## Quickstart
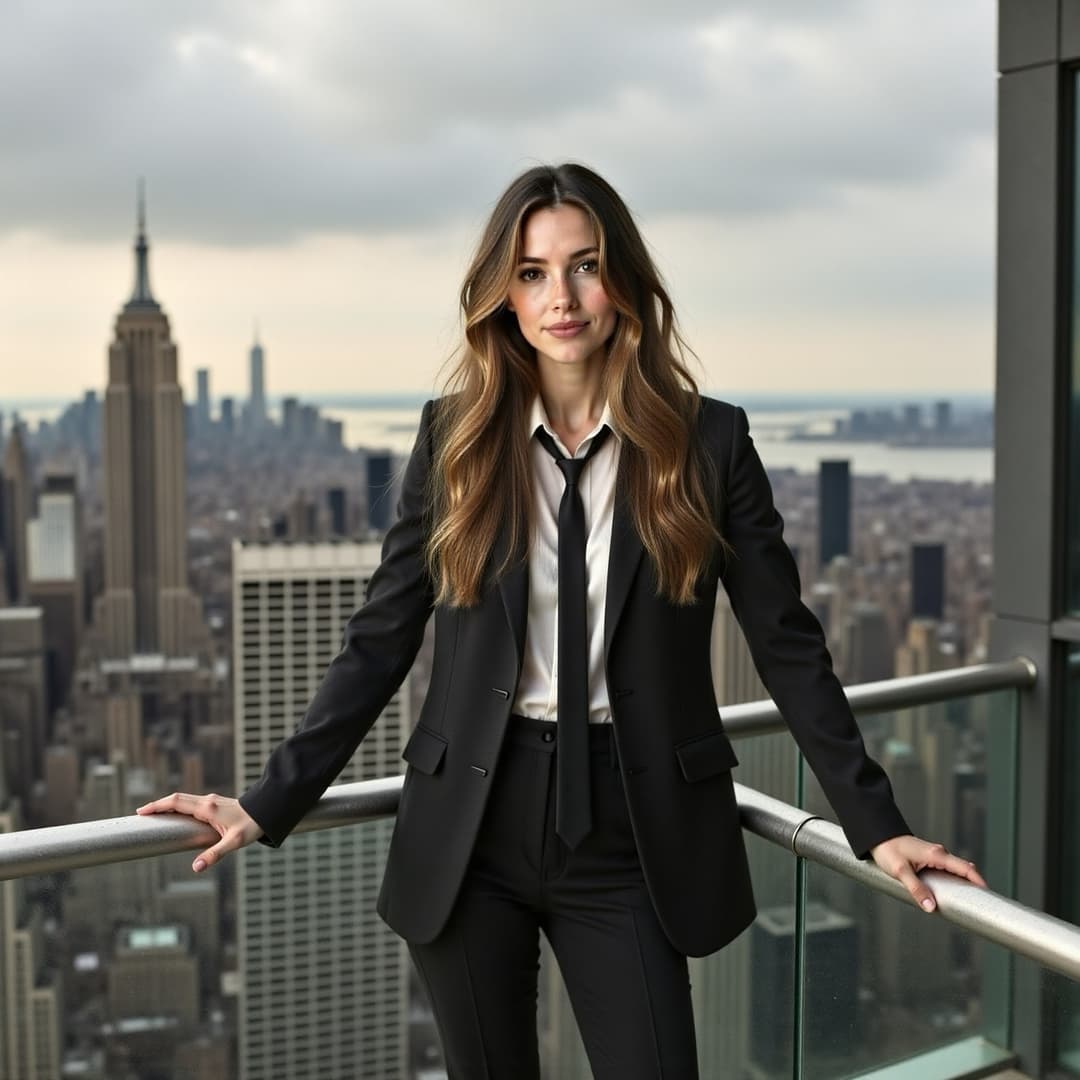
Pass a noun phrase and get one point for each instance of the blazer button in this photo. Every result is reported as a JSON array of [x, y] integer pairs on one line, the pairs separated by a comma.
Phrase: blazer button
[[548, 736]]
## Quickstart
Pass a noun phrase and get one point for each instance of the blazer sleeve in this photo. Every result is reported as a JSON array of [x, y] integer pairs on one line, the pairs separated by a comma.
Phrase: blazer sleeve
[[788, 647], [379, 644]]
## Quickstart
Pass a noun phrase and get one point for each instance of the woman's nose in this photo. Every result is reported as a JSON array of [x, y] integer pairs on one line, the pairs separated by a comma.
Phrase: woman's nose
[[563, 295]]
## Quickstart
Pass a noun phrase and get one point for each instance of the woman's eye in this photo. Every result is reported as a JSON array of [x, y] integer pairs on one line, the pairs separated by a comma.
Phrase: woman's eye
[[525, 274], [591, 263]]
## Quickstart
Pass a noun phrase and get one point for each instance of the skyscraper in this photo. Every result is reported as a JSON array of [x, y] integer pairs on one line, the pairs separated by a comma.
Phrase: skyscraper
[[55, 577], [834, 510], [256, 408], [324, 981], [202, 399], [928, 581], [147, 606], [16, 495], [380, 482], [29, 992]]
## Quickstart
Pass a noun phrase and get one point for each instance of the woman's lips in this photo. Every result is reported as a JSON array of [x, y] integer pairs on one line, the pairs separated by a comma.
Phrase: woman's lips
[[567, 331]]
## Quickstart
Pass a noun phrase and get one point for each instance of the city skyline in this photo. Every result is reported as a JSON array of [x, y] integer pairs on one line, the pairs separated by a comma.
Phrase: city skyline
[[812, 237]]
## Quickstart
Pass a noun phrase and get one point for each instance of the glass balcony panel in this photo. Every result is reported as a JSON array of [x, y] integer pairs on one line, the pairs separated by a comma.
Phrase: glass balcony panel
[[885, 983], [1064, 995]]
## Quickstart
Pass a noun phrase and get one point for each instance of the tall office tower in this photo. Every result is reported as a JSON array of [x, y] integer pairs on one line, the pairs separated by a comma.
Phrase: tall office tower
[[23, 712], [867, 651], [834, 510], [942, 416], [309, 423], [303, 518], [154, 973], [921, 651], [17, 497], [290, 419], [324, 983], [928, 581], [147, 606], [202, 399], [256, 408], [54, 577], [336, 504], [30, 1037], [228, 419], [379, 490], [913, 418]]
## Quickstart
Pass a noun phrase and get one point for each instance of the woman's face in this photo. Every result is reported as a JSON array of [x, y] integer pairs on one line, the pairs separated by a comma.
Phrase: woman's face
[[561, 307]]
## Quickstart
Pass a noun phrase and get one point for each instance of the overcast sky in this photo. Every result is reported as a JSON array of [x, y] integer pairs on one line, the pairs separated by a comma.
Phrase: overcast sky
[[816, 179]]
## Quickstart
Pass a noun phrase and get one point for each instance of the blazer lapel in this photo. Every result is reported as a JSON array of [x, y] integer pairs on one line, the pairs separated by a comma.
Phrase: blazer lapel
[[623, 560], [514, 587]]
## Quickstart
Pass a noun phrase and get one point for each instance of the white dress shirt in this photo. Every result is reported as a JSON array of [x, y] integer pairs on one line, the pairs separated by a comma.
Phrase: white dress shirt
[[538, 688]]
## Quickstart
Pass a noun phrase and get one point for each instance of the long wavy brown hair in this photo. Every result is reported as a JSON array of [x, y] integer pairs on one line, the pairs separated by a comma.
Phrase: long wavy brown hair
[[481, 478]]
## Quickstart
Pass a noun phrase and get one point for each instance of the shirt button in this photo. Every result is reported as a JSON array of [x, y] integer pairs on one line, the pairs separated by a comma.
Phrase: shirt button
[[548, 736]]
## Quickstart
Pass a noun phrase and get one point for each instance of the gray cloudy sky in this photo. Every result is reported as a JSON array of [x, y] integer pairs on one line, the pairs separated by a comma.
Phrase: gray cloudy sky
[[816, 179]]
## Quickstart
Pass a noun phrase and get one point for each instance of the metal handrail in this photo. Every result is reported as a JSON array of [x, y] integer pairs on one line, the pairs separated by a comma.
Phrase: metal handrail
[[92, 843], [1034, 934], [764, 718], [1049, 941]]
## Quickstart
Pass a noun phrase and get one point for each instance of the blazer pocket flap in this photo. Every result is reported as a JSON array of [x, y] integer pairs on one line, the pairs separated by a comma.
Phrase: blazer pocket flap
[[424, 750], [706, 755]]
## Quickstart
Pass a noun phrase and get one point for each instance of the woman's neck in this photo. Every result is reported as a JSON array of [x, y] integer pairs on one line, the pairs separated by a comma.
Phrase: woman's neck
[[573, 400]]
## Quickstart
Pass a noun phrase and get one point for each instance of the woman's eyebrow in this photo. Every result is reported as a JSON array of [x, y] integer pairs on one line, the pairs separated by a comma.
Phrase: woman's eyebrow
[[574, 255]]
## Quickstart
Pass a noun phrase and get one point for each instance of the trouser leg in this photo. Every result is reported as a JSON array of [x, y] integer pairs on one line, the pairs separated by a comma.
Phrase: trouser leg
[[628, 986], [480, 974], [481, 970]]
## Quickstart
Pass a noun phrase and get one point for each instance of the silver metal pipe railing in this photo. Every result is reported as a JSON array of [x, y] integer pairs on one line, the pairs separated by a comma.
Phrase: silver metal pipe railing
[[1051, 942], [1043, 938], [763, 717], [93, 843]]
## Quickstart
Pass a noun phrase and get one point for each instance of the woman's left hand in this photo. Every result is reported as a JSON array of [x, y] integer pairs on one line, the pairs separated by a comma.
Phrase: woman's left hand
[[902, 857]]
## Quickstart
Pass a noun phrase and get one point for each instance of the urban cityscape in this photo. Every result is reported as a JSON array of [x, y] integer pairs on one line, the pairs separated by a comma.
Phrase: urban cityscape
[[174, 578]]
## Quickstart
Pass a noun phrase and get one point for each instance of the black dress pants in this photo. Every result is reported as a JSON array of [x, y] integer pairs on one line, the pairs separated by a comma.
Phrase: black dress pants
[[628, 986]]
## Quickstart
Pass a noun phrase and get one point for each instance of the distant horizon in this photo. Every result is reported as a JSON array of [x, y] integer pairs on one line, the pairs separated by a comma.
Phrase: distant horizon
[[406, 398]]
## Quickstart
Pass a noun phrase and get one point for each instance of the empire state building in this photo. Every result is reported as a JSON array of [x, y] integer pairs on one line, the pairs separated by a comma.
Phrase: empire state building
[[147, 606]]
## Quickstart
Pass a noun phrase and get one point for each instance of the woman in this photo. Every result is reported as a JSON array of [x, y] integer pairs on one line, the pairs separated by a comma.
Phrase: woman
[[567, 513]]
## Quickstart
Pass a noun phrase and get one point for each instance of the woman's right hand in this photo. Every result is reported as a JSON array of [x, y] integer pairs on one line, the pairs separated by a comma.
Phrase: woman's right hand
[[234, 824]]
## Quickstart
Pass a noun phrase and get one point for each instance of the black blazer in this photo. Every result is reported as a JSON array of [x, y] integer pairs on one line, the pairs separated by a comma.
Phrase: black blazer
[[675, 758]]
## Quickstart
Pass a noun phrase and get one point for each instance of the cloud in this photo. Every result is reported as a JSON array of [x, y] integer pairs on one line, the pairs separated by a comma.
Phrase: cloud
[[257, 123]]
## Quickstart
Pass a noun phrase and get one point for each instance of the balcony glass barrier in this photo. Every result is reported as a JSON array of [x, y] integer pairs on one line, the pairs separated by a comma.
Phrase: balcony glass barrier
[[276, 963], [1063, 995], [885, 983]]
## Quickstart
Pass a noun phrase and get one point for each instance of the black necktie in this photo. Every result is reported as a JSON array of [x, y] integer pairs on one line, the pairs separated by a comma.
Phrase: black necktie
[[573, 805]]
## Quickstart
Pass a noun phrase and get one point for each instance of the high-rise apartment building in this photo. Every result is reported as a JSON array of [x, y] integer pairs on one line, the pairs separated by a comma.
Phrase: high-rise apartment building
[[54, 560], [147, 606], [324, 982]]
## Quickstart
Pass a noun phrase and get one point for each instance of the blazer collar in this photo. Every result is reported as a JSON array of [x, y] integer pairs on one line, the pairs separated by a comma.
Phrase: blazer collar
[[538, 418]]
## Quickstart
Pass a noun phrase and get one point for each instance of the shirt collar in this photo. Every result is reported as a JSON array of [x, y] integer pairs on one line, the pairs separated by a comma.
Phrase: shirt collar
[[538, 418]]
